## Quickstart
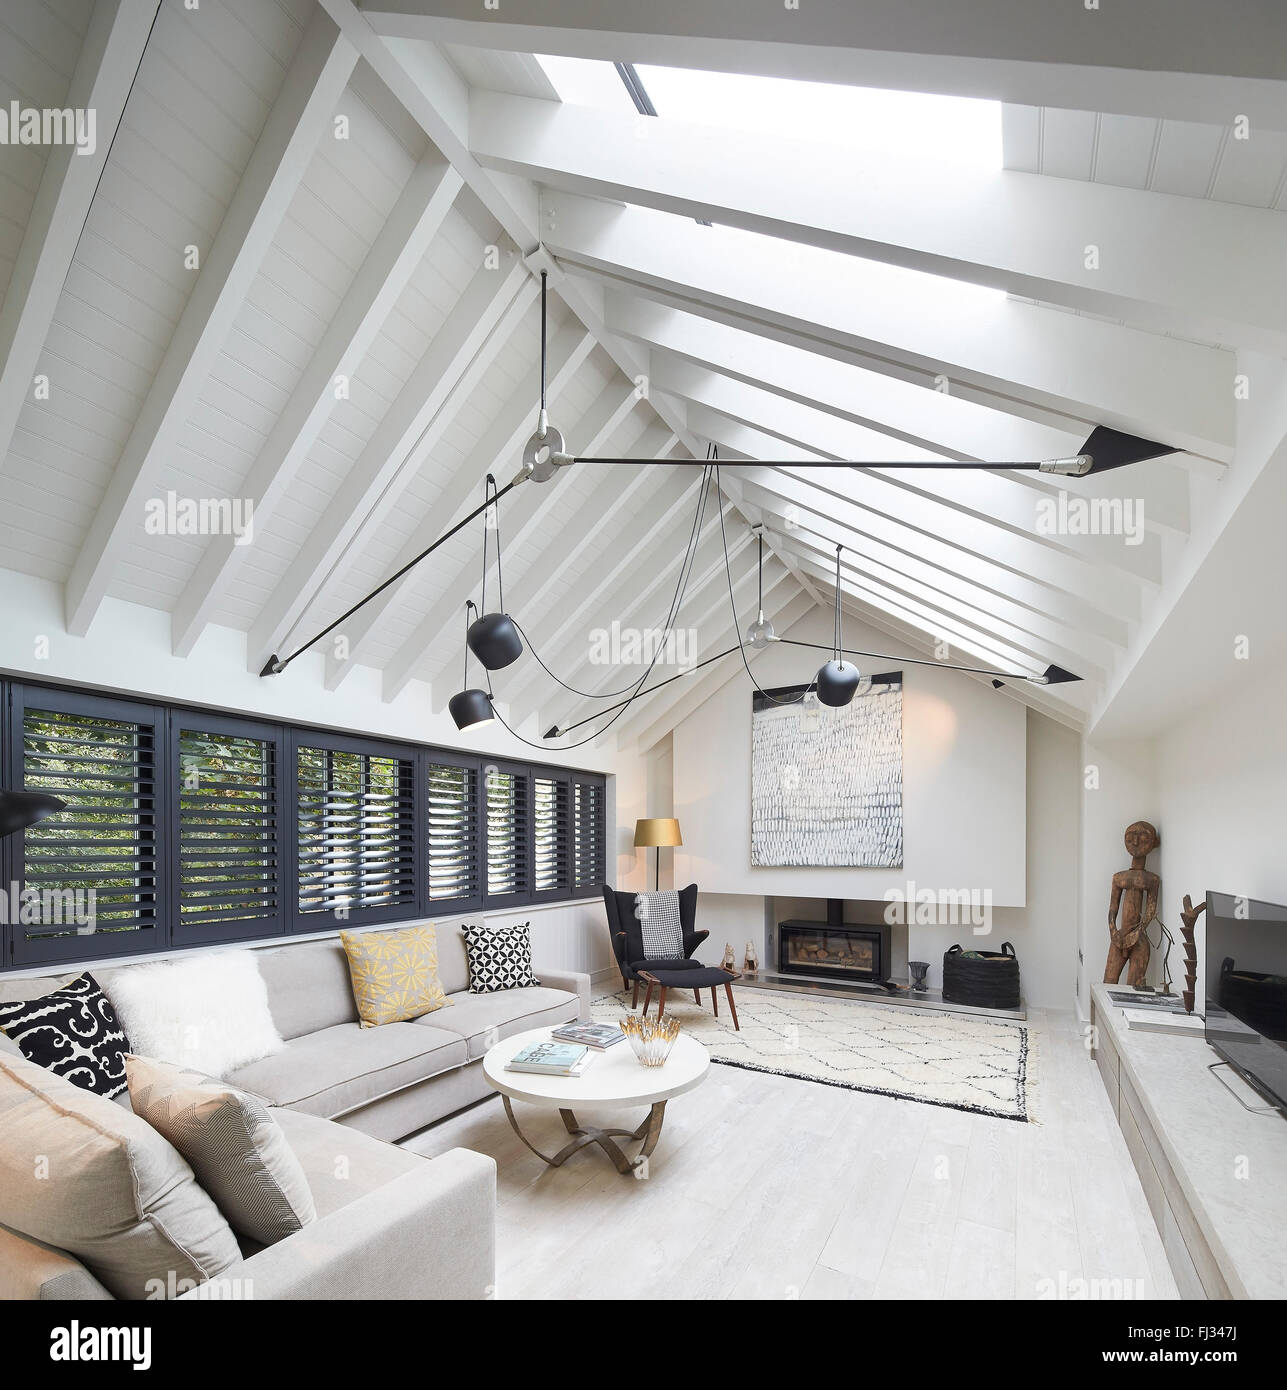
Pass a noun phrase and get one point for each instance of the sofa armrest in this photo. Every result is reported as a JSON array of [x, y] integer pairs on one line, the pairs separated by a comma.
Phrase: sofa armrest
[[30, 1269], [574, 982], [427, 1234]]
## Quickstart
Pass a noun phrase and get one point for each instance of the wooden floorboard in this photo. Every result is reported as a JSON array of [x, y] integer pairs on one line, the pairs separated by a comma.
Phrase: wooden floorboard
[[765, 1187]]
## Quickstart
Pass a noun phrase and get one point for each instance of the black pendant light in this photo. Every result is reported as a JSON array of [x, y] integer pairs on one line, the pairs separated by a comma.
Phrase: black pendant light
[[493, 637], [469, 707], [18, 810], [838, 679]]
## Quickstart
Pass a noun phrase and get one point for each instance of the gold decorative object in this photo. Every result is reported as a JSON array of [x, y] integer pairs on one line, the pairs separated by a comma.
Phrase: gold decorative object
[[650, 1038]]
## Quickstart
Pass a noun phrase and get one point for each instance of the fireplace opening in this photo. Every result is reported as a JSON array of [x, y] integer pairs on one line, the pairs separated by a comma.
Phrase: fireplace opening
[[830, 948]]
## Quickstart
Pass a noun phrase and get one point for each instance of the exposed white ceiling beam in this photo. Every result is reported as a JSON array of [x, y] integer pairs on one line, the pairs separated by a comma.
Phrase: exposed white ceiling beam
[[1077, 649], [1151, 58], [109, 58], [523, 518], [423, 78], [656, 718], [497, 451], [673, 500], [957, 504], [941, 565], [441, 381], [1080, 368], [1028, 234], [302, 114], [936, 420], [383, 276]]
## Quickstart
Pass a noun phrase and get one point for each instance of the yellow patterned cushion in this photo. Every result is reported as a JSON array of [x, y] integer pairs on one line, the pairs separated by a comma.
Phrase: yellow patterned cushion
[[394, 973]]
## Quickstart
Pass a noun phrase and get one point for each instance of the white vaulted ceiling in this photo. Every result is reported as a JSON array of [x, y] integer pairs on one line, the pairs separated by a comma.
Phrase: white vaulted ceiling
[[849, 302]]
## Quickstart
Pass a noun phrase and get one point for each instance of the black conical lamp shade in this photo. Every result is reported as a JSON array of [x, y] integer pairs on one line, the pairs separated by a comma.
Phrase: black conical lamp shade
[[494, 640], [470, 707], [837, 682], [18, 810]]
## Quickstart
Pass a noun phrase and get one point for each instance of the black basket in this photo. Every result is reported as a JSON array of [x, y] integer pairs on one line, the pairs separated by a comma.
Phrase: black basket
[[984, 980]]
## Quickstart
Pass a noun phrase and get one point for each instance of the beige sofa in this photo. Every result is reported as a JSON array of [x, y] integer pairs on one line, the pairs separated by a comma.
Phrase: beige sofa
[[391, 1224]]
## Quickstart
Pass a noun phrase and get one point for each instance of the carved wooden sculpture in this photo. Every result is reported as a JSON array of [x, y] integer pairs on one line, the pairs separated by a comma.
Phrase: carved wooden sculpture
[[1135, 894], [1190, 917]]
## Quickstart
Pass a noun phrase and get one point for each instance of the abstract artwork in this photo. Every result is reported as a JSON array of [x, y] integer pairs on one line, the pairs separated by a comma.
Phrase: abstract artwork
[[827, 784]]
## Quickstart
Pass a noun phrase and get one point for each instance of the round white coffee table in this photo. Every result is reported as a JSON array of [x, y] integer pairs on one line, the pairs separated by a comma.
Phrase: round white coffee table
[[612, 1080]]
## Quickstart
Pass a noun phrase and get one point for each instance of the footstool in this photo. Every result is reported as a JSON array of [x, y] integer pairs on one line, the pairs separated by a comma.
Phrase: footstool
[[703, 977]]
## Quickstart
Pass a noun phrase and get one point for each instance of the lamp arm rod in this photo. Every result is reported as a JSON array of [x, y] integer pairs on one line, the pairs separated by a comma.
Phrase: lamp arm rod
[[813, 463], [641, 693], [914, 661], [276, 665]]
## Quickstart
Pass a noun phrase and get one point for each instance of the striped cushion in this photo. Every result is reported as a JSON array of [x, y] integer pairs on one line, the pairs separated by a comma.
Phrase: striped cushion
[[235, 1147]]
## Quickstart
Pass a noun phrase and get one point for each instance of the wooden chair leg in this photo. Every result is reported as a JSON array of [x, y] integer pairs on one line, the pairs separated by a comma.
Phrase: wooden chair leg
[[714, 1002], [647, 999], [661, 1002], [697, 996], [634, 998], [728, 989]]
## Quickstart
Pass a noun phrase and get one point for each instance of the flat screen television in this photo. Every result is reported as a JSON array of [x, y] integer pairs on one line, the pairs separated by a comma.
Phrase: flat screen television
[[1246, 990]]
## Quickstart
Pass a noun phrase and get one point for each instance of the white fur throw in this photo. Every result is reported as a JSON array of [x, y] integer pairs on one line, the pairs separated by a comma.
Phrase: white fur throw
[[205, 1012]]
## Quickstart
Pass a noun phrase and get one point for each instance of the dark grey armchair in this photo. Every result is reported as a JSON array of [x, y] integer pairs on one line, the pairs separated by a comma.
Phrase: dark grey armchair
[[627, 935]]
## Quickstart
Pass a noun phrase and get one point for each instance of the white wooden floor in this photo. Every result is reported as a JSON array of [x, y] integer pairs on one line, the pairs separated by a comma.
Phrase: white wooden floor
[[766, 1187]]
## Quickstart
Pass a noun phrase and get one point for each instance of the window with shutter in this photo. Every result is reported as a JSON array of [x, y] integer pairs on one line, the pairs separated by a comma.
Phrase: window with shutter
[[508, 834], [356, 827], [551, 836], [452, 834], [229, 870], [100, 757], [589, 833]]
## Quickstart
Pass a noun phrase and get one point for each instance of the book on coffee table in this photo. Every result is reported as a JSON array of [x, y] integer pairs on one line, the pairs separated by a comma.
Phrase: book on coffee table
[[550, 1059], [599, 1036]]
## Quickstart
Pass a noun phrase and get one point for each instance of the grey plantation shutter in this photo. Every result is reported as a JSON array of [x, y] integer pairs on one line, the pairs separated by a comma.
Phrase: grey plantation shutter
[[589, 829], [106, 839], [508, 832], [356, 818], [552, 835], [453, 837], [229, 872]]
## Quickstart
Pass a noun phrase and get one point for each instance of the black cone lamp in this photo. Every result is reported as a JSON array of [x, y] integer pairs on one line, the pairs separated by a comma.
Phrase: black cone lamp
[[469, 707], [18, 810], [493, 637], [838, 679]]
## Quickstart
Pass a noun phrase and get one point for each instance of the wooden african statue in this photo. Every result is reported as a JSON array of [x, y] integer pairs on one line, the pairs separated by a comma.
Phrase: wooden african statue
[[1135, 893]]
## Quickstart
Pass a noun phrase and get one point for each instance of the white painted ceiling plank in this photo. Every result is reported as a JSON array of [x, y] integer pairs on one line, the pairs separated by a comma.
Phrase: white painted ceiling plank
[[303, 111]]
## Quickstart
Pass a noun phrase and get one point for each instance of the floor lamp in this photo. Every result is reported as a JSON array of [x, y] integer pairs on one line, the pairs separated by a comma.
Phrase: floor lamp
[[654, 834]]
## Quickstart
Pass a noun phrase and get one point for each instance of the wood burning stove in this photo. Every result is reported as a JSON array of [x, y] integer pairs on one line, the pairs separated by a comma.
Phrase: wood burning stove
[[830, 948]]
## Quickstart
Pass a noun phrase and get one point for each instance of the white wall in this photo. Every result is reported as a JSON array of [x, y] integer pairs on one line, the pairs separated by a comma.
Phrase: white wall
[[964, 752]]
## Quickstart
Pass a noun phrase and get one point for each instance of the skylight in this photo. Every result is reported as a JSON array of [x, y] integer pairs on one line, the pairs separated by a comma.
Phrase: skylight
[[916, 125]]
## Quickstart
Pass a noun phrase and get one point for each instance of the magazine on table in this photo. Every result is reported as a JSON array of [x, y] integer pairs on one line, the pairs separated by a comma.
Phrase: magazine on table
[[551, 1059], [599, 1036]]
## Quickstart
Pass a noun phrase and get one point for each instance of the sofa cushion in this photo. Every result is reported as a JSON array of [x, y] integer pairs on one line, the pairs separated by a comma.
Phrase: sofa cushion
[[234, 1145], [337, 1069], [308, 986], [342, 1164], [79, 1173], [484, 1019], [394, 973], [73, 1031], [499, 957]]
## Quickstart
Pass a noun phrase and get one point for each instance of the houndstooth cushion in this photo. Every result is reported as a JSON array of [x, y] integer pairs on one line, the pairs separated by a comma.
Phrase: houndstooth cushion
[[499, 958], [235, 1147], [663, 934]]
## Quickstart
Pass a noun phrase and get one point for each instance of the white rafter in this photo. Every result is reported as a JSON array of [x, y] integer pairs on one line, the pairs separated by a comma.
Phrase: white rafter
[[383, 276], [314, 84], [439, 384], [109, 58], [497, 451]]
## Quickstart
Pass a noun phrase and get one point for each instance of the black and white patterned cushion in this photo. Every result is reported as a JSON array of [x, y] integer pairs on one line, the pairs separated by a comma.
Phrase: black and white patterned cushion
[[499, 958], [660, 925], [74, 1032]]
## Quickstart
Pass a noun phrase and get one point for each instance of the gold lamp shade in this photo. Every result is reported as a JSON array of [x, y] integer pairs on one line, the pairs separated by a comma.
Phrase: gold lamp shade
[[656, 832]]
